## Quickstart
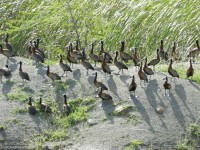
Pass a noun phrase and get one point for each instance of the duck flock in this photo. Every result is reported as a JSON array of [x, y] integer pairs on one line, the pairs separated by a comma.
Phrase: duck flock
[[77, 55]]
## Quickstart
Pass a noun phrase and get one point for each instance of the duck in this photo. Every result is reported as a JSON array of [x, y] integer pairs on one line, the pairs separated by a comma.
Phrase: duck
[[166, 85], [162, 53], [172, 71], [155, 61], [65, 67], [29, 49], [98, 84], [132, 87], [66, 106], [31, 109], [104, 96], [174, 54], [36, 56], [123, 55], [195, 52], [7, 73], [23, 75], [108, 58], [2, 73], [7, 44], [93, 56], [72, 60], [135, 58], [38, 50], [5, 52], [190, 70], [142, 75], [43, 107], [75, 53], [104, 66], [86, 65], [53, 76], [147, 70], [118, 64]]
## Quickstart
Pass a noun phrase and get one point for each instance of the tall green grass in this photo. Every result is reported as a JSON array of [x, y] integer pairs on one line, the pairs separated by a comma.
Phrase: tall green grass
[[140, 24]]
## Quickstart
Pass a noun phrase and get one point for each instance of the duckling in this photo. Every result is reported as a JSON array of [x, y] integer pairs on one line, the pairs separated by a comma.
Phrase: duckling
[[5, 52], [104, 66], [65, 67], [31, 109], [98, 84], [37, 57], [104, 96], [195, 52], [172, 71], [147, 70], [167, 86], [7, 44], [124, 56], [118, 64], [142, 75], [53, 76], [154, 61], [132, 87], [93, 56], [162, 53], [190, 70], [70, 58], [135, 58], [66, 106], [43, 107], [23, 75], [87, 65], [108, 58]]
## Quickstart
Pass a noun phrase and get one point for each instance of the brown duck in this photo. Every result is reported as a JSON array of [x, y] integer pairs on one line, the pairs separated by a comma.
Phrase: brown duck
[[162, 53], [65, 67], [53, 76], [172, 71], [5, 52], [166, 85], [147, 70], [132, 87], [123, 55], [104, 96], [93, 56], [108, 58], [155, 61], [44, 107], [195, 52], [142, 75], [190, 70], [66, 106], [31, 109], [118, 64], [23, 75], [135, 58], [98, 84], [72, 60], [104, 66], [86, 65]]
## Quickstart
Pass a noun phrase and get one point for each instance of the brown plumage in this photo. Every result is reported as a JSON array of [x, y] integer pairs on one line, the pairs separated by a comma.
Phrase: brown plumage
[[70, 58], [31, 109], [190, 70], [93, 56], [38, 50], [155, 61], [53, 76], [118, 64], [23, 75], [98, 84], [135, 58], [132, 87], [142, 75], [104, 96], [86, 65], [195, 52], [108, 58], [146, 69], [172, 71], [6, 52], [166, 85], [76, 53], [65, 67], [36, 56], [66, 106], [104, 66], [44, 107], [7, 44], [123, 55], [162, 53], [174, 54]]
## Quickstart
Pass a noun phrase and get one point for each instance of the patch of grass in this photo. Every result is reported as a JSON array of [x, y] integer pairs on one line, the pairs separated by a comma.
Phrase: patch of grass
[[60, 86], [56, 135], [2, 128], [194, 129], [18, 110], [16, 121], [27, 90], [19, 96], [10, 82], [132, 145]]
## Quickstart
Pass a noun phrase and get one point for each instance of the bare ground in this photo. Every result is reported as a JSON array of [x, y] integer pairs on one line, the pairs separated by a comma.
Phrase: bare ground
[[109, 132]]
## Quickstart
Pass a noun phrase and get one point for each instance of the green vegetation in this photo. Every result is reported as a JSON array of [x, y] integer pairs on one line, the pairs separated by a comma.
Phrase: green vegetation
[[2, 128], [132, 145], [60, 86], [19, 96], [18, 110], [141, 24], [15, 121]]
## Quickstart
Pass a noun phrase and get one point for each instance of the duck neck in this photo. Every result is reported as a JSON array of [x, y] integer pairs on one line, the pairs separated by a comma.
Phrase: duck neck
[[77, 45], [102, 50], [92, 49], [95, 78], [197, 42], [65, 100], [158, 56], [61, 60], [40, 100], [190, 63], [20, 67], [122, 48], [48, 71], [161, 45], [116, 57], [37, 43], [29, 102]]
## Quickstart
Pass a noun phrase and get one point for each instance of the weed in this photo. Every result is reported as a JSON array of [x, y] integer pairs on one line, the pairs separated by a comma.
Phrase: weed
[[2, 128], [60, 86], [18, 110], [19, 96], [132, 145]]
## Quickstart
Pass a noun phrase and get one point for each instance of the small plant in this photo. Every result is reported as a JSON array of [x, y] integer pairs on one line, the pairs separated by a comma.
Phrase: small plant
[[57, 135], [132, 145], [2, 128], [15, 121], [10, 82], [19, 96], [18, 111], [194, 129], [60, 86]]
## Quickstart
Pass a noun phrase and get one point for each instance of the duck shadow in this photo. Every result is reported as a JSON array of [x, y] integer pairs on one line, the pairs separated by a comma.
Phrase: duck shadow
[[194, 85], [142, 111], [180, 91], [77, 74], [90, 79], [108, 109], [71, 83], [112, 86], [6, 88], [177, 111], [124, 78], [41, 71]]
